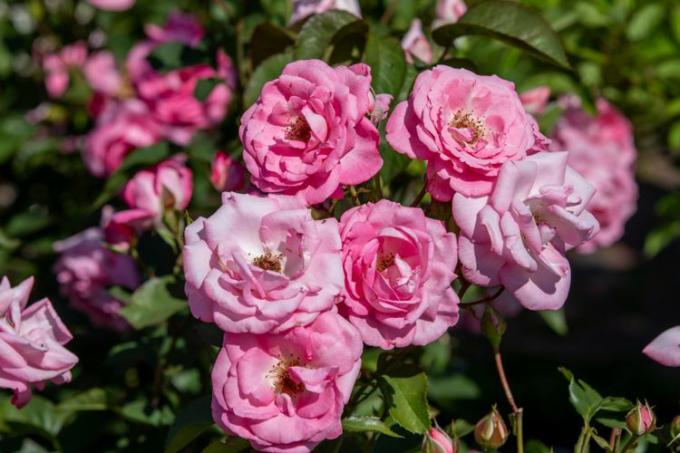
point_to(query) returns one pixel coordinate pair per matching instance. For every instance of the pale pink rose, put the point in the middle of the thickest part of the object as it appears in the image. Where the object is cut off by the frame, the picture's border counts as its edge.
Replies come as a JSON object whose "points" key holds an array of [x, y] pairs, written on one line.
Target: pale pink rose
{"points": [[465, 126], [170, 96], [57, 66], [665, 348], [150, 192], [226, 174], [602, 149], [448, 12], [517, 236], [112, 5], [121, 128], [399, 266], [261, 264], [535, 99], [306, 8], [86, 270], [416, 45], [308, 133], [102, 73], [286, 392], [32, 342]]}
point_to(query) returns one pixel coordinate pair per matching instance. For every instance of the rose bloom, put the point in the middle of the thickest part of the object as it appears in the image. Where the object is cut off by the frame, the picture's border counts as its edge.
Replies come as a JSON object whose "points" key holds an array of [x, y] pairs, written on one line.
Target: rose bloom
{"points": [[286, 392], [306, 8], [448, 12], [102, 73], [308, 133], [121, 128], [261, 264], [226, 174], [665, 348], [517, 236], [150, 192], [86, 270], [398, 266], [170, 95], [437, 441], [465, 126], [112, 5], [602, 149], [416, 45], [32, 340], [57, 66]]}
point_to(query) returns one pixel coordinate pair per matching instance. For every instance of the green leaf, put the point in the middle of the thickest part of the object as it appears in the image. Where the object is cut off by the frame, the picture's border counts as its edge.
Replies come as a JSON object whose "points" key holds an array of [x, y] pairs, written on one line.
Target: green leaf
{"points": [[39, 416], [510, 22], [556, 320], [367, 424], [175, 55], [659, 238], [140, 412], [205, 86], [600, 441], [675, 22], [230, 445], [615, 404], [454, 387], [388, 66], [189, 424], [644, 21], [152, 303], [406, 398], [536, 446], [493, 326], [269, 69], [320, 31], [268, 40], [461, 428], [611, 422], [674, 137], [585, 399], [94, 399]]}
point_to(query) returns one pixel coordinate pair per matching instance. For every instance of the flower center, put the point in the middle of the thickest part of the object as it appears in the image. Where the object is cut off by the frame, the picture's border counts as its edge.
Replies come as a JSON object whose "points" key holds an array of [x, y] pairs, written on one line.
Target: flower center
{"points": [[385, 260], [465, 120], [283, 383], [269, 262], [299, 130]]}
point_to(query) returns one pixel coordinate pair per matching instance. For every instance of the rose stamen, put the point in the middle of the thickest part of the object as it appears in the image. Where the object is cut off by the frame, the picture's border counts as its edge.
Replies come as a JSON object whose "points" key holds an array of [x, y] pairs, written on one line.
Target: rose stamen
{"points": [[299, 130], [385, 260], [465, 120], [283, 383], [269, 262]]}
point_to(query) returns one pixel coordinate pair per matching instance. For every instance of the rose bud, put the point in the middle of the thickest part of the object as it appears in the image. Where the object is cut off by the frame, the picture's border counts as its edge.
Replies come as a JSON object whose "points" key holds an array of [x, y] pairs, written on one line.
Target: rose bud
{"points": [[675, 427], [490, 431], [437, 441], [641, 419]]}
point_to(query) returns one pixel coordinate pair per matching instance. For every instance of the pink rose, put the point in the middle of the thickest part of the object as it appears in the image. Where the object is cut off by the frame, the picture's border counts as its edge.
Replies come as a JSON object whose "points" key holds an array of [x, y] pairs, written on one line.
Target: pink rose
{"points": [[32, 342], [448, 12], [535, 99], [286, 392], [308, 133], [465, 126], [102, 73], [306, 8], [437, 441], [121, 128], [86, 270], [517, 236], [398, 266], [112, 5], [603, 151], [170, 95], [415, 44], [226, 174], [57, 66], [261, 264], [150, 192], [665, 348]]}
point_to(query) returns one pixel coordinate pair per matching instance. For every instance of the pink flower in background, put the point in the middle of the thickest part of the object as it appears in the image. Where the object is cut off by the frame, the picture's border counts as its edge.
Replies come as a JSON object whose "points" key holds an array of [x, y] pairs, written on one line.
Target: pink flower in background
{"points": [[112, 5], [86, 270], [121, 128], [150, 192], [286, 392], [665, 348], [102, 73], [226, 174], [170, 96], [465, 126], [416, 45], [308, 133], [399, 266], [448, 12], [517, 236], [535, 99], [261, 264], [58, 65], [32, 341], [305, 8], [602, 149]]}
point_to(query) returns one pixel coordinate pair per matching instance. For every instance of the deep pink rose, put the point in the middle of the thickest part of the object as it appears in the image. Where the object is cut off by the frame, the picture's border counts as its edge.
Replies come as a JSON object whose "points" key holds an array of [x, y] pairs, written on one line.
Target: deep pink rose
{"points": [[226, 174], [308, 133], [398, 266], [170, 95], [286, 392], [112, 5], [305, 8], [150, 192], [665, 348], [535, 99], [448, 12], [121, 128], [416, 45], [57, 66], [261, 264], [465, 126], [602, 149], [32, 342], [86, 270], [517, 236], [102, 73]]}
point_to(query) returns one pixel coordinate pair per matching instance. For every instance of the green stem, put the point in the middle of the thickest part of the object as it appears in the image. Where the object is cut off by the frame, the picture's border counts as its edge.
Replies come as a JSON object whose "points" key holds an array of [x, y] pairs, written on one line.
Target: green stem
{"points": [[516, 410], [583, 442]]}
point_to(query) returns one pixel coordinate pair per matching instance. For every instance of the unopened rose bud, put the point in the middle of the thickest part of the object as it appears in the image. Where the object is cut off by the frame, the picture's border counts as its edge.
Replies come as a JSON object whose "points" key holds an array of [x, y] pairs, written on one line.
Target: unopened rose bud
{"points": [[675, 427], [641, 419], [437, 441], [490, 431]]}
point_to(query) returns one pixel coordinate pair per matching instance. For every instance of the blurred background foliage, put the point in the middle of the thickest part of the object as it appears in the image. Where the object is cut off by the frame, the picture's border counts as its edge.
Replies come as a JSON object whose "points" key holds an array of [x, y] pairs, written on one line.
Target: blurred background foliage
{"points": [[127, 392]]}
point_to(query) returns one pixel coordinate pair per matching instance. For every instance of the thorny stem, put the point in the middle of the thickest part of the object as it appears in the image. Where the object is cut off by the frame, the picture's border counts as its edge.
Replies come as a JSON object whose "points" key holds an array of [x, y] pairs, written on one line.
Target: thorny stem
{"points": [[484, 299], [613, 438], [516, 410], [420, 196]]}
